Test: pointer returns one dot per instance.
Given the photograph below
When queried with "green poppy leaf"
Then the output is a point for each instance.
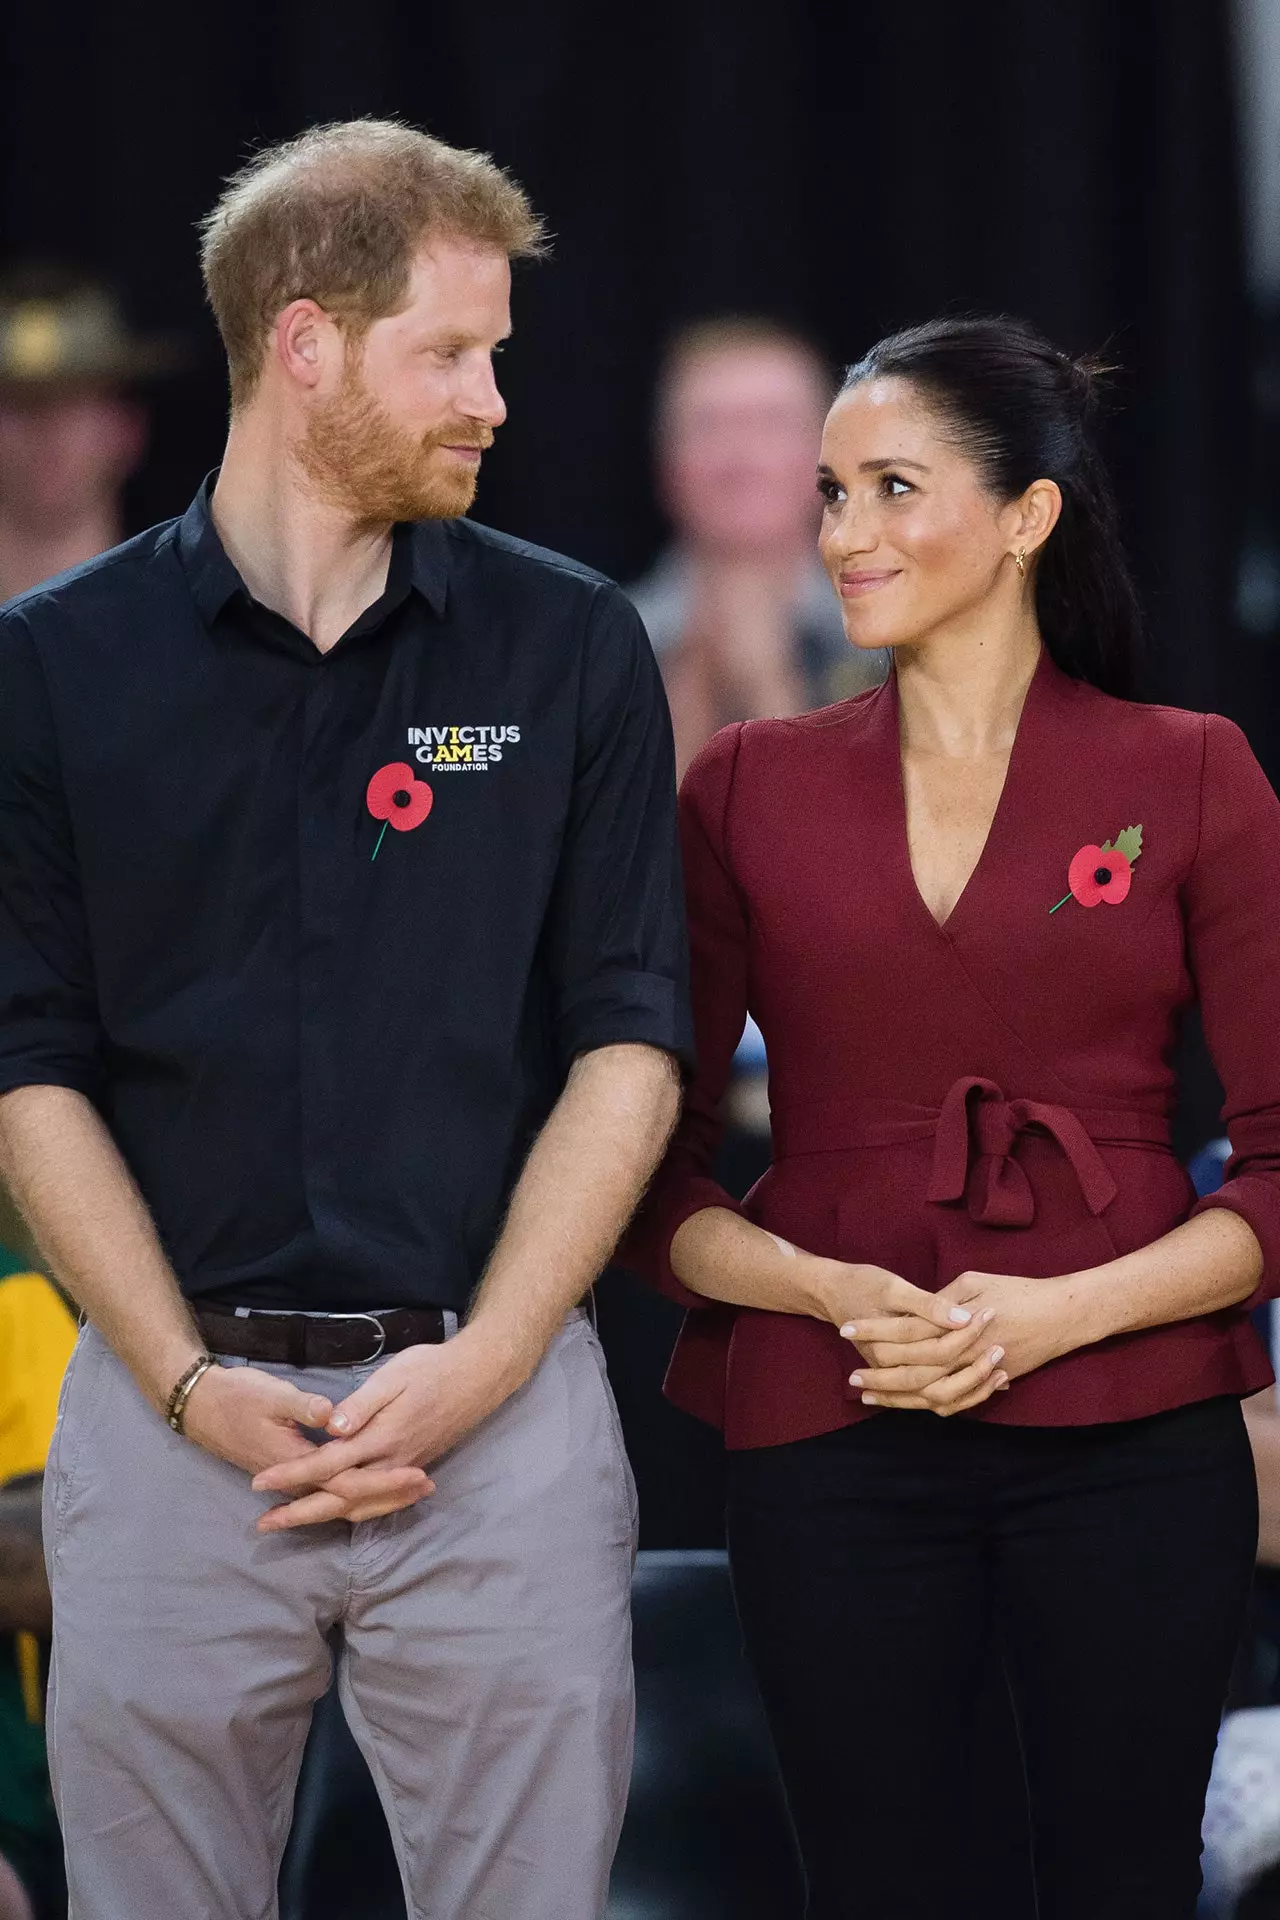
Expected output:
(1129, 843)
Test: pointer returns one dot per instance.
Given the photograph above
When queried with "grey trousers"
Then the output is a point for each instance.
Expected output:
(484, 1656)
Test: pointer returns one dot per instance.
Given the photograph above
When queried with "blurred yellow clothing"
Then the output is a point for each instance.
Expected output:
(37, 1333)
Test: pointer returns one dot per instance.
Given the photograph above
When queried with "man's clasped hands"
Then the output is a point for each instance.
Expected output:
(366, 1455)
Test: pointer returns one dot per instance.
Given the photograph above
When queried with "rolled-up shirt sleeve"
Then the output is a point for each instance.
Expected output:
(719, 943)
(616, 932)
(49, 1027)
(1232, 904)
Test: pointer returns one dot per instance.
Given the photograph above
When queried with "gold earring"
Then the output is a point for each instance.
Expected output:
(1020, 561)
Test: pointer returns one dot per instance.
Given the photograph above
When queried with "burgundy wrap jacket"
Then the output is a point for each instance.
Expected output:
(992, 1094)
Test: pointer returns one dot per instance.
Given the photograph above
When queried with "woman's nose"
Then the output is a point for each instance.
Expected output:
(855, 532)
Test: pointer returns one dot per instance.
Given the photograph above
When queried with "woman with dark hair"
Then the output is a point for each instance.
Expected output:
(969, 911)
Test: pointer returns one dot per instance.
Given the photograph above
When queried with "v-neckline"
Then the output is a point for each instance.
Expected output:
(945, 928)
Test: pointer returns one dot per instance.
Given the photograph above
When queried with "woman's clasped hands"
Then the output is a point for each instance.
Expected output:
(1013, 1325)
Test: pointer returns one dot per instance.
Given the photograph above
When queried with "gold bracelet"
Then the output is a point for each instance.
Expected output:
(177, 1403)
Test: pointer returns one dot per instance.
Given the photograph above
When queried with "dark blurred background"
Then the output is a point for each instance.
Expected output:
(848, 167)
(1106, 167)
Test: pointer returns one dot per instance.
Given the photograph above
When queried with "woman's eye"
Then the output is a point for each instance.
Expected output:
(896, 487)
(831, 491)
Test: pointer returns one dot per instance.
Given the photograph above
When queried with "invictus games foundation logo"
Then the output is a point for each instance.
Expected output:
(462, 749)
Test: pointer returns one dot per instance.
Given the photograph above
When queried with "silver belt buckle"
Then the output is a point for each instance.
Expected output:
(374, 1321)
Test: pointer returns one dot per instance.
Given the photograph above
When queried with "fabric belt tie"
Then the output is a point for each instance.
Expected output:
(975, 1133)
(976, 1115)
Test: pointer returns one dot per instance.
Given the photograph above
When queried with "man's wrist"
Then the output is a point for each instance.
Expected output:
(184, 1386)
(165, 1369)
(500, 1356)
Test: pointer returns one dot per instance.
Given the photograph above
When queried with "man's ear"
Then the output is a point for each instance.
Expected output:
(304, 339)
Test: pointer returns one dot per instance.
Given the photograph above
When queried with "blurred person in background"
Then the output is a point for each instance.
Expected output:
(1257, 1681)
(1263, 1416)
(741, 616)
(739, 610)
(37, 1333)
(72, 432)
(72, 429)
(1242, 1814)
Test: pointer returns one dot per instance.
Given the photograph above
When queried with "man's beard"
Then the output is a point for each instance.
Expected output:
(362, 463)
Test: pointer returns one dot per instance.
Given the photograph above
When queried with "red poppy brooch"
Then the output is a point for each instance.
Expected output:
(396, 798)
(1103, 873)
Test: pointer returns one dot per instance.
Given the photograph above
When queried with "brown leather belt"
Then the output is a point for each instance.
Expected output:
(321, 1339)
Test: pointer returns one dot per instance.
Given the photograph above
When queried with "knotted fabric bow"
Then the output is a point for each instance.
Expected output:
(975, 1116)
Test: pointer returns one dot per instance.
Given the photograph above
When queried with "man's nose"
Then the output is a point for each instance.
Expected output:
(481, 400)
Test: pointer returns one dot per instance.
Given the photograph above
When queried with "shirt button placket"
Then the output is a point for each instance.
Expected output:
(319, 913)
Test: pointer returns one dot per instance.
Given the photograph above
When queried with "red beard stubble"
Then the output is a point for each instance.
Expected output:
(362, 463)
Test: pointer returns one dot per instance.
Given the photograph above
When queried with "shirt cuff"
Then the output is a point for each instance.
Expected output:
(646, 1249)
(51, 1057)
(618, 1009)
(1256, 1198)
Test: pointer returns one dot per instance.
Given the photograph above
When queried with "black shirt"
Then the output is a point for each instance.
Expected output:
(325, 1047)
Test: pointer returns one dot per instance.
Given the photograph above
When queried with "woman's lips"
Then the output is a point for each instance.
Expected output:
(854, 585)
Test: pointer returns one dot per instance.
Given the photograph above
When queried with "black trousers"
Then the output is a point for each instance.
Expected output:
(872, 1565)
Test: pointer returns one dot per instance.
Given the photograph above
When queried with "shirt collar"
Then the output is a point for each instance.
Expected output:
(419, 560)
(427, 542)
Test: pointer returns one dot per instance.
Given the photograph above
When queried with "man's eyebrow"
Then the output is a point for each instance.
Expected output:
(460, 339)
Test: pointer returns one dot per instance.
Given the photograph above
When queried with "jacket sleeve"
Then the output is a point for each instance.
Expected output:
(718, 955)
(1232, 907)
(49, 1025)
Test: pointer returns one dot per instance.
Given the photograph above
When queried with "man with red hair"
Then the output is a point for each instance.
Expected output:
(330, 1128)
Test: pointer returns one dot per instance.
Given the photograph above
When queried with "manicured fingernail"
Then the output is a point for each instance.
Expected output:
(997, 1353)
(869, 1400)
(340, 1421)
(855, 1379)
(990, 1314)
(1002, 1380)
(960, 1316)
(848, 1330)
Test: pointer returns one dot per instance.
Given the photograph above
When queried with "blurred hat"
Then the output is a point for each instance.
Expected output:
(58, 327)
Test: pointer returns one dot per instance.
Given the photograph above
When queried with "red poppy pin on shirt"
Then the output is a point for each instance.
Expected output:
(1103, 873)
(398, 799)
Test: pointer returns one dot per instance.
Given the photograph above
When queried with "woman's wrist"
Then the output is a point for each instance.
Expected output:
(717, 1254)
(840, 1290)
(1086, 1308)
